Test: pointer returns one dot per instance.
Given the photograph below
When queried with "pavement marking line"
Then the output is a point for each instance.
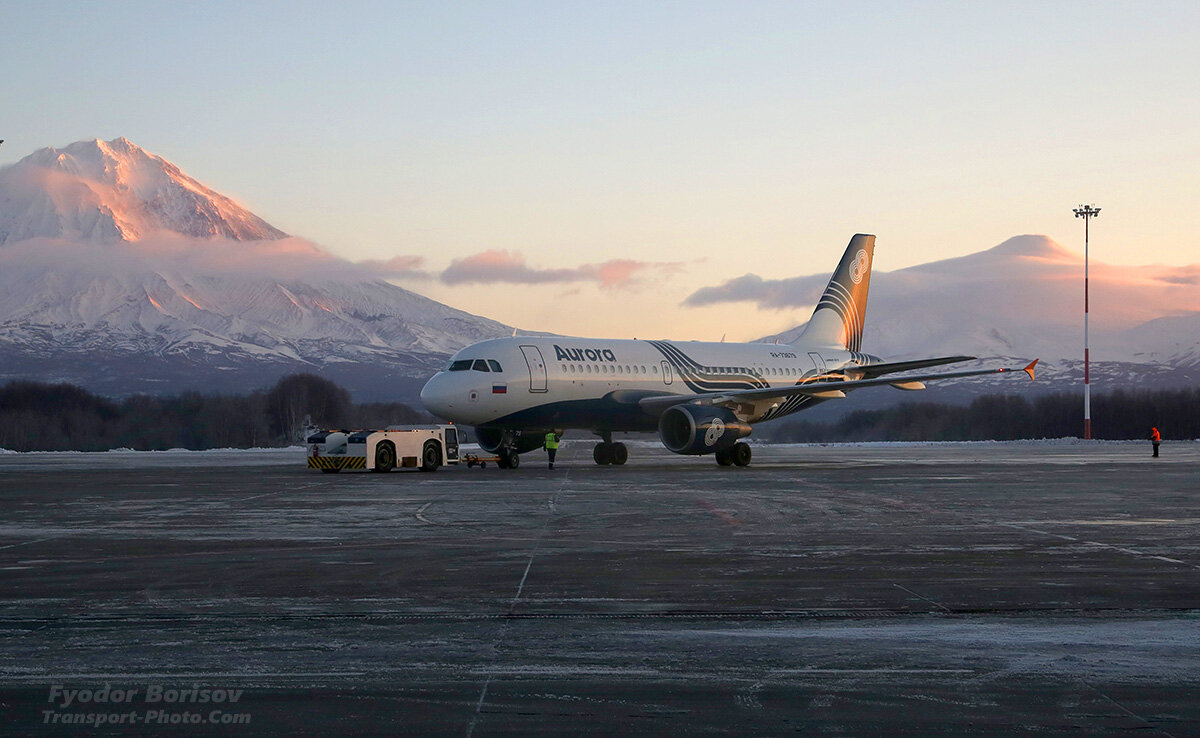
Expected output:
(30, 543)
(478, 707)
(1110, 546)
(1127, 711)
(553, 506)
(923, 597)
(521, 586)
(421, 514)
(310, 485)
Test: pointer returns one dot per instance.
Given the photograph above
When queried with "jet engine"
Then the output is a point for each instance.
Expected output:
(698, 429)
(491, 439)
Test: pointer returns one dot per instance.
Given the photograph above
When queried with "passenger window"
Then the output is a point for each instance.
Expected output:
(495, 365)
(480, 366)
(460, 366)
(654, 369)
(589, 368)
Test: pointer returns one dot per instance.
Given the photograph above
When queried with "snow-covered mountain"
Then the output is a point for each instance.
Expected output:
(109, 191)
(1024, 299)
(120, 273)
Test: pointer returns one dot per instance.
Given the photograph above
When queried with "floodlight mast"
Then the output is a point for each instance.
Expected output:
(1087, 212)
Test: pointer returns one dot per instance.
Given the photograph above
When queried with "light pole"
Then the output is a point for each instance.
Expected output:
(1087, 212)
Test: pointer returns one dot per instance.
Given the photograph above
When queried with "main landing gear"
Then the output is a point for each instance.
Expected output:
(739, 454)
(607, 452)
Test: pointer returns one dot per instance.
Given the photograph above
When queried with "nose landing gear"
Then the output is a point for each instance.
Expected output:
(508, 459)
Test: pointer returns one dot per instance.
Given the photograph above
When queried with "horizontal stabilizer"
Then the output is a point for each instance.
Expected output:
(1027, 369)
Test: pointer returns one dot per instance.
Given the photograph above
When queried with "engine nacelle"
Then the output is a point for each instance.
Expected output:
(699, 429)
(491, 439)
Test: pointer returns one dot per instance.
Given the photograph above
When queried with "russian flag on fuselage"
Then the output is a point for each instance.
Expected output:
(499, 389)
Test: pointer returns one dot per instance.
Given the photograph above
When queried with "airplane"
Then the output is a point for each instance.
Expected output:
(700, 397)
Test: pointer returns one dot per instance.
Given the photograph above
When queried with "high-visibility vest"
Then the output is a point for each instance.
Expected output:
(1154, 435)
(551, 440)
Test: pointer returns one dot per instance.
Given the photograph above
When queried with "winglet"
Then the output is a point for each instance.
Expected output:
(1029, 369)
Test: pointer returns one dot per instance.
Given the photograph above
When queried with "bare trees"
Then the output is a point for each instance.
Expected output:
(35, 416)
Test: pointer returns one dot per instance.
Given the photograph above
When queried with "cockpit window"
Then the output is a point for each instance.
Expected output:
(480, 366)
(461, 365)
(495, 365)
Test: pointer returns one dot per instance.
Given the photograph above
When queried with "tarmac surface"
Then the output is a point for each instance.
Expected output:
(966, 589)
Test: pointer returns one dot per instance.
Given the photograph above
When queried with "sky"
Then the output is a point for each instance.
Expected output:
(583, 168)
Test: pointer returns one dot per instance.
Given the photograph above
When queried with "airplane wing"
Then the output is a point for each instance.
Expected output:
(818, 388)
(871, 371)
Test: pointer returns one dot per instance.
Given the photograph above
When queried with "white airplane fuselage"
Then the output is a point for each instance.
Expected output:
(594, 384)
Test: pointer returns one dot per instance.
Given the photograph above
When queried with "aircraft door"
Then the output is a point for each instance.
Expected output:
(667, 376)
(451, 444)
(537, 368)
(818, 362)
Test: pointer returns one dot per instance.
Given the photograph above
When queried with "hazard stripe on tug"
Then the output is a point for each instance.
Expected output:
(337, 462)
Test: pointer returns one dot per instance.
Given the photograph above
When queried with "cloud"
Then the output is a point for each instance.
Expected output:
(284, 259)
(301, 260)
(1179, 279)
(498, 266)
(769, 294)
(397, 266)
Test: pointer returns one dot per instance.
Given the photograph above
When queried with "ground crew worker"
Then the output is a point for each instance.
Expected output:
(551, 446)
(1155, 438)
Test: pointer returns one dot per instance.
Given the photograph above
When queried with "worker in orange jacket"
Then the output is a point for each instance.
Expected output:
(1155, 438)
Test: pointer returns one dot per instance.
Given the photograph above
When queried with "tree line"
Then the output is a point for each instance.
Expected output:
(35, 416)
(1117, 415)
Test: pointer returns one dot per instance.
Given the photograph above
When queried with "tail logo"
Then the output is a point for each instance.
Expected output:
(859, 266)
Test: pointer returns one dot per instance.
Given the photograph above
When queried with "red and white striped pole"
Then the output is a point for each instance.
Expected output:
(1087, 212)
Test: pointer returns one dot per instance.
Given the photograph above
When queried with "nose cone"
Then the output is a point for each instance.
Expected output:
(435, 396)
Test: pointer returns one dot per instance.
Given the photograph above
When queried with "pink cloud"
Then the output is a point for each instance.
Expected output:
(397, 266)
(498, 266)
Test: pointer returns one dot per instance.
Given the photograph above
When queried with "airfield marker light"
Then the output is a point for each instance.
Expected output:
(1087, 212)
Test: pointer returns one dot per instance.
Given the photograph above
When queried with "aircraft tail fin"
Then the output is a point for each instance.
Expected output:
(842, 309)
